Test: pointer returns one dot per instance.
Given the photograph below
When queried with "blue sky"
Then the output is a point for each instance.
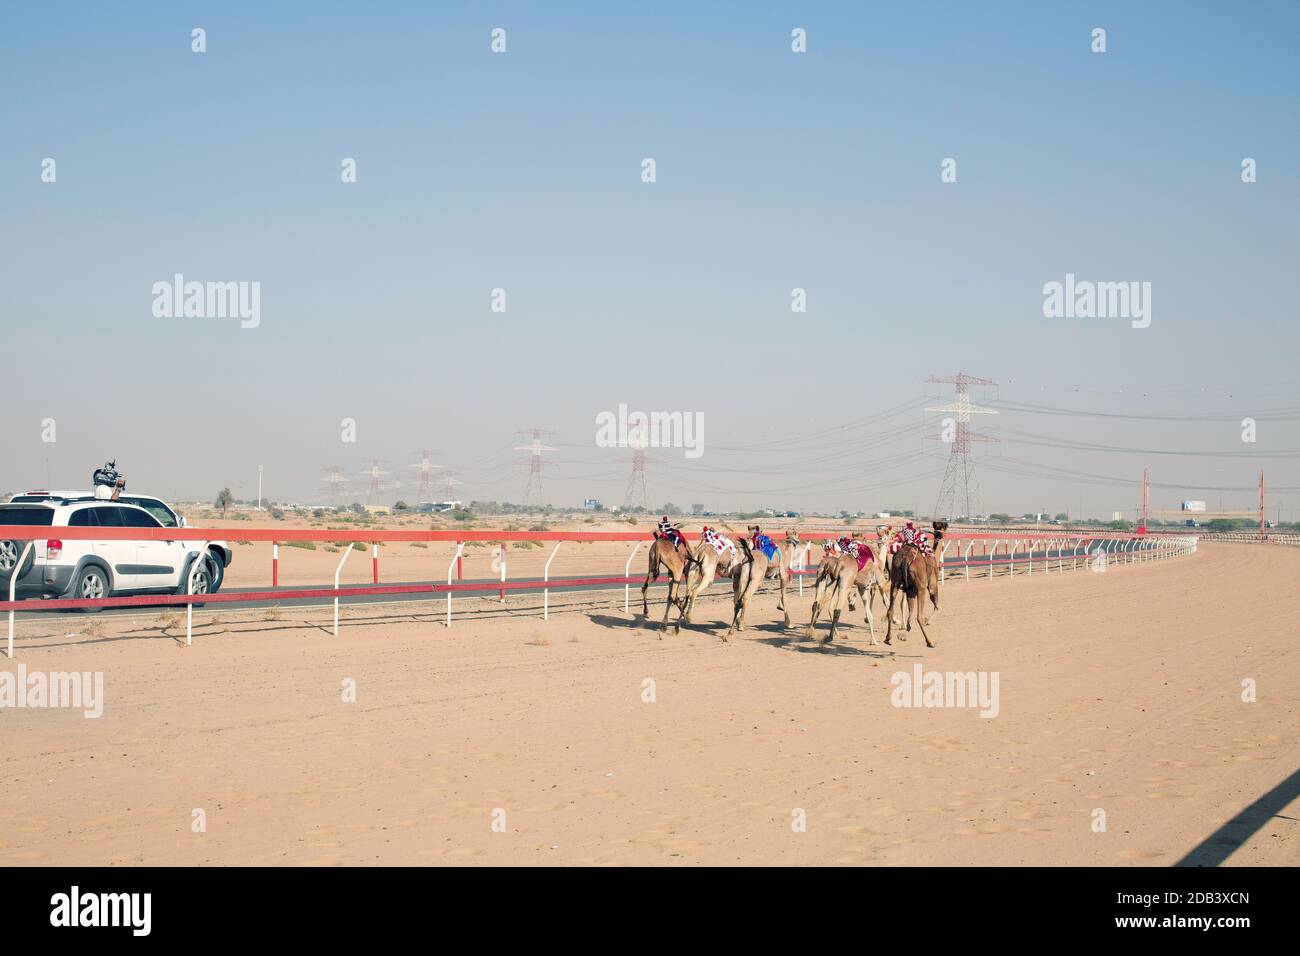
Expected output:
(775, 170)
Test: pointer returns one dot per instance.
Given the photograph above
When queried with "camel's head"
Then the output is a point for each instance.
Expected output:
(939, 528)
(792, 538)
(753, 529)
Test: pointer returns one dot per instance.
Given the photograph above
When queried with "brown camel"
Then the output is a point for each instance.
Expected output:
(676, 562)
(837, 579)
(708, 565)
(753, 568)
(886, 562)
(915, 574)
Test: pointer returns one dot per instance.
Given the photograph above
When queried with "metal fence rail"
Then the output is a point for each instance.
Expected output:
(997, 554)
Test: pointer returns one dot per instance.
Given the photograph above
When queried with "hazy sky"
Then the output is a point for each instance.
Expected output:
(775, 170)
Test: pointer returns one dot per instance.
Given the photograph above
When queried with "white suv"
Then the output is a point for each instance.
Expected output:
(219, 552)
(88, 568)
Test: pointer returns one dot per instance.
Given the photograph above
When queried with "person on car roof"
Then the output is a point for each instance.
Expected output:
(109, 485)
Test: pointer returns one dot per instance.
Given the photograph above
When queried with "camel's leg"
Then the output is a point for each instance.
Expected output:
(739, 584)
(921, 624)
(816, 613)
(782, 576)
(865, 592)
(836, 602)
(735, 620)
(835, 620)
(821, 591)
(683, 606)
(672, 598)
(889, 617)
(934, 598)
(645, 604)
(737, 615)
(706, 578)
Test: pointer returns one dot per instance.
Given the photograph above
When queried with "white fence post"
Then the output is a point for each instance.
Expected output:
(503, 571)
(966, 558)
(13, 584)
(627, 572)
(451, 568)
(189, 589)
(337, 572)
(546, 591)
(941, 554)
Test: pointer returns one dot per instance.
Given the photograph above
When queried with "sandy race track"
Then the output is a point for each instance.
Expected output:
(1118, 692)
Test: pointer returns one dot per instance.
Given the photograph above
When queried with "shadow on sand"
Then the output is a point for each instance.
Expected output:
(1226, 840)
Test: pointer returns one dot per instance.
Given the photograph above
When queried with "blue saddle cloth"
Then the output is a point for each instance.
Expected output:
(766, 545)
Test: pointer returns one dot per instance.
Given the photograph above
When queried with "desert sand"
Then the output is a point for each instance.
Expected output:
(1118, 691)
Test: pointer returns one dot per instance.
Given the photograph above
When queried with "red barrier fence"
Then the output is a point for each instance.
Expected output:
(1049, 548)
(27, 533)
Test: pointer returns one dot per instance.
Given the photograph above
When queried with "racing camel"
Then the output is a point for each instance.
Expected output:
(715, 556)
(665, 557)
(915, 573)
(838, 577)
(883, 563)
(754, 567)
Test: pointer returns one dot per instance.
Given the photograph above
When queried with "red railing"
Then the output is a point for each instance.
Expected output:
(458, 537)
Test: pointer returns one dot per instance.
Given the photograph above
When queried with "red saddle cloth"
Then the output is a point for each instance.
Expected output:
(864, 555)
(674, 537)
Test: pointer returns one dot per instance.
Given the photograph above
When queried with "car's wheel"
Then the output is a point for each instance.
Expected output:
(9, 554)
(91, 583)
(202, 580)
(218, 569)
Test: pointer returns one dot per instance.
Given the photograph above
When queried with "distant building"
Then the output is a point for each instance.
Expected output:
(590, 504)
(378, 509)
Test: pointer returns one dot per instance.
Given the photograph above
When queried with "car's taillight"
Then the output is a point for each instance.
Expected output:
(53, 549)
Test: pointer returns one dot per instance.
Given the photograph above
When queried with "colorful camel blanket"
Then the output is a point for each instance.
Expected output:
(719, 542)
(674, 537)
(912, 536)
(861, 552)
(765, 544)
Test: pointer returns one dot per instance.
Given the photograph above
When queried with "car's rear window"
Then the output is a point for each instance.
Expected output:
(27, 516)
